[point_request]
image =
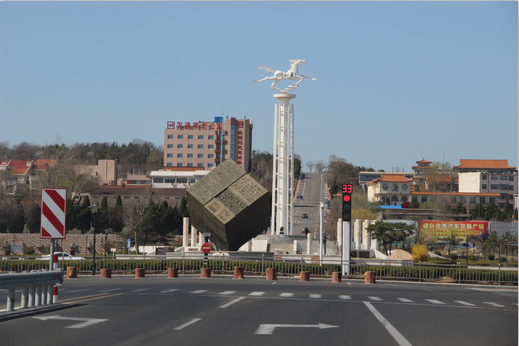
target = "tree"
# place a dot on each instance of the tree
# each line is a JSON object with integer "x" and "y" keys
{"x": 439, "y": 177}
{"x": 419, "y": 253}
{"x": 451, "y": 241}
{"x": 310, "y": 165}
{"x": 388, "y": 233}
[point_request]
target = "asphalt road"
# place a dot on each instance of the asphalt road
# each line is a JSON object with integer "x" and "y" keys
{"x": 312, "y": 190}
{"x": 222, "y": 311}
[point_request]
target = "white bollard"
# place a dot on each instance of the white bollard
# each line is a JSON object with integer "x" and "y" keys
{"x": 186, "y": 233}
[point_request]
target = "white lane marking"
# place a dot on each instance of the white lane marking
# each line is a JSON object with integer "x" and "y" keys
{"x": 227, "y": 292}
{"x": 232, "y": 302}
{"x": 315, "y": 296}
{"x": 182, "y": 326}
{"x": 464, "y": 303}
{"x": 171, "y": 290}
{"x": 495, "y": 290}
{"x": 405, "y": 300}
{"x": 268, "y": 329}
{"x": 495, "y": 304}
{"x": 85, "y": 321}
{"x": 434, "y": 301}
{"x": 256, "y": 293}
{"x": 375, "y": 298}
{"x": 112, "y": 289}
{"x": 344, "y": 297}
{"x": 140, "y": 290}
{"x": 286, "y": 294}
{"x": 199, "y": 291}
{"x": 81, "y": 290}
{"x": 399, "y": 338}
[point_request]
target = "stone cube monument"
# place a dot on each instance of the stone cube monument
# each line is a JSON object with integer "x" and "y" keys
{"x": 230, "y": 205}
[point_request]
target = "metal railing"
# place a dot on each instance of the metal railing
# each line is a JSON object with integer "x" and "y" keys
{"x": 191, "y": 263}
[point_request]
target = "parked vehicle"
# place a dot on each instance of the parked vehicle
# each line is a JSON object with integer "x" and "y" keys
{"x": 304, "y": 216}
{"x": 62, "y": 256}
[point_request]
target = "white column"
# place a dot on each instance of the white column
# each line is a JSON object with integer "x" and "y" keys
{"x": 358, "y": 234}
{"x": 339, "y": 233}
{"x": 374, "y": 242}
{"x": 308, "y": 243}
{"x": 193, "y": 236}
{"x": 185, "y": 236}
{"x": 365, "y": 235}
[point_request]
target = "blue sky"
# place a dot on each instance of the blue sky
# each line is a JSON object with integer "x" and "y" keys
{"x": 394, "y": 79}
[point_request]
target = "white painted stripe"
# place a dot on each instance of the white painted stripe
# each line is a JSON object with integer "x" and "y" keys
{"x": 182, "y": 326}
{"x": 199, "y": 291}
{"x": 171, "y": 290}
{"x": 227, "y": 292}
{"x": 399, "y": 338}
{"x": 54, "y": 233}
{"x": 375, "y": 298}
{"x": 315, "y": 296}
{"x": 495, "y": 304}
{"x": 434, "y": 301}
{"x": 232, "y": 302}
{"x": 344, "y": 297}
{"x": 256, "y": 293}
{"x": 405, "y": 300}
{"x": 84, "y": 289}
{"x": 49, "y": 202}
{"x": 286, "y": 294}
{"x": 141, "y": 290}
{"x": 464, "y": 303}
{"x": 111, "y": 289}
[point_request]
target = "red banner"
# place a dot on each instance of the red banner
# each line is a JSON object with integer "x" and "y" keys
{"x": 460, "y": 229}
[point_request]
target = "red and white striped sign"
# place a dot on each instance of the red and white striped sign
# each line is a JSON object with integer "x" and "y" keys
{"x": 53, "y": 213}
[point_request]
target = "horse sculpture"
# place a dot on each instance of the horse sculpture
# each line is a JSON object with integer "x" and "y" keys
{"x": 291, "y": 74}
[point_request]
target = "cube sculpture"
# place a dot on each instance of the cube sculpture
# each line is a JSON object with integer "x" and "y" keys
{"x": 230, "y": 205}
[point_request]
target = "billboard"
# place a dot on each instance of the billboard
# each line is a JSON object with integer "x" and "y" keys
{"x": 460, "y": 229}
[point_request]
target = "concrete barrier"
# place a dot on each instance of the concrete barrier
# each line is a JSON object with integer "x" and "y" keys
{"x": 172, "y": 272}
{"x": 139, "y": 273}
{"x": 238, "y": 273}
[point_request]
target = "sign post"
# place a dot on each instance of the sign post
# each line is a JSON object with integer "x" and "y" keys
{"x": 206, "y": 248}
{"x": 53, "y": 217}
{"x": 347, "y": 189}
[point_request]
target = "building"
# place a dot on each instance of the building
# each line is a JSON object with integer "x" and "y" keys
{"x": 366, "y": 177}
{"x": 490, "y": 177}
{"x": 205, "y": 144}
{"x": 395, "y": 187}
{"x": 105, "y": 171}
{"x": 176, "y": 177}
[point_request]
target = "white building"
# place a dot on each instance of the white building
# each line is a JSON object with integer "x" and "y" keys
{"x": 176, "y": 177}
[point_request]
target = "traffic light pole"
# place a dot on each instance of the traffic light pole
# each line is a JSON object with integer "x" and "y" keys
{"x": 346, "y": 247}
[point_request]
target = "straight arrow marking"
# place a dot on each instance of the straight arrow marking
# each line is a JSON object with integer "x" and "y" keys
{"x": 268, "y": 329}
{"x": 85, "y": 321}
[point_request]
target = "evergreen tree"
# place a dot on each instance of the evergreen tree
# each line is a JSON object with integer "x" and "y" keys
{"x": 182, "y": 210}
{"x": 506, "y": 210}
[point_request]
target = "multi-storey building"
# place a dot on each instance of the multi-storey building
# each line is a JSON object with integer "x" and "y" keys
{"x": 489, "y": 176}
{"x": 207, "y": 144}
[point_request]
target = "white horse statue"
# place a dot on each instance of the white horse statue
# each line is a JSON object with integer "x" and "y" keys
{"x": 291, "y": 74}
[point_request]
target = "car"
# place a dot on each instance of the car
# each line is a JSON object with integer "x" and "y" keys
{"x": 62, "y": 256}
{"x": 304, "y": 216}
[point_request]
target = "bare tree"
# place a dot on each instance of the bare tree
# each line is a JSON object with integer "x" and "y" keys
{"x": 320, "y": 166}
{"x": 310, "y": 165}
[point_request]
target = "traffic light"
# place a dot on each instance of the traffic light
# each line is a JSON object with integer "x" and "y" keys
{"x": 346, "y": 202}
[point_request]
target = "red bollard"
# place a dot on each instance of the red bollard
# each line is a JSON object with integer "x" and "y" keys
{"x": 55, "y": 295}
{"x": 272, "y": 274}
{"x": 205, "y": 272}
{"x": 172, "y": 272}
{"x": 336, "y": 277}
{"x": 238, "y": 273}
{"x": 106, "y": 273}
{"x": 304, "y": 276}
{"x": 139, "y": 273}
{"x": 369, "y": 278}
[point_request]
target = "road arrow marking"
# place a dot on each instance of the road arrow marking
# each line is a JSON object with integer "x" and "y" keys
{"x": 85, "y": 321}
{"x": 268, "y": 329}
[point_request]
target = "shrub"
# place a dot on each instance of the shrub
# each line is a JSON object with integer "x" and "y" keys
{"x": 437, "y": 253}
{"x": 454, "y": 256}
{"x": 502, "y": 259}
{"x": 419, "y": 253}
{"x": 491, "y": 256}
{"x": 473, "y": 258}
{"x": 7, "y": 252}
{"x": 29, "y": 250}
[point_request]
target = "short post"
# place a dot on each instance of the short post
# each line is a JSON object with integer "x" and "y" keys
{"x": 369, "y": 277}
{"x": 336, "y": 277}
{"x": 172, "y": 272}
{"x": 55, "y": 295}
{"x": 106, "y": 273}
{"x": 25, "y": 297}
{"x": 238, "y": 273}
{"x": 72, "y": 272}
{"x": 304, "y": 276}
{"x": 205, "y": 272}
{"x": 139, "y": 273}
{"x": 10, "y": 299}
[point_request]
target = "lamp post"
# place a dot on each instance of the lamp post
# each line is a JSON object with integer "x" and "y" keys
{"x": 93, "y": 208}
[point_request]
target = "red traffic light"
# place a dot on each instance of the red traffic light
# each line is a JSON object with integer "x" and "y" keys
{"x": 346, "y": 198}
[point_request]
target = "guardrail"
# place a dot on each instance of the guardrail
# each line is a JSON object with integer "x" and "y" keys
{"x": 37, "y": 287}
{"x": 191, "y": 263}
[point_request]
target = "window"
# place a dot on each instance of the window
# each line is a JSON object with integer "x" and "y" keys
{"x": 424, "y": 199}
{"x": 200, "y": 146}
{"x": 484, "y": 177}
{"x": 179, "y": 155}
{"x": 472, "y": 199}
{"x": 494, "y": 186}
{"x": 211, "y": 137}
{"x": 394, "y": 199}
{"x": 190, "y": 137}
{"x": 453, "y": 199}
{"x": 190, "y": 165}
{"x": 192, "y": 180}
{"x": 404, "y": 187}
{"x": 492, "y": 200}
{"x": 170, "y": 146}
{"x": 170, "y": 155}
{"x": 189, "y": 156}
{"x": 503, "y": 187}
{"x": 404, "y": 199}
{"x": 483, "y": 186}
{"x": 180, "y": 146}
{"x": 482, "y": 200}
{"x": 200, "y": 156}
{"x": 210, "y": 165}
{"x": 170, "y": 136}
{"x": 180, "y": 136}
{"x": 179, "y": 165}
{"x": 190, "y": 146}
{"x": 385, "y": 186}
{"x": 394, "y": 187}
{"x": 170, "y": 164}
{"x": 170, "y": 180}
{"x": 200, "y": 136}
{"x": 210, "y": 156}
{"x": 182, "y": 180}
{"x": 511, "y": 178}
{"x": 158, "y": 180}
{"x": 210, "y": 146}
{"x": 493, "y": 177}
{"x": 200, "y": 165}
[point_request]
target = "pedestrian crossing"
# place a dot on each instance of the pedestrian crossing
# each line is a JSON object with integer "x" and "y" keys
{"x": 309, "y": 296}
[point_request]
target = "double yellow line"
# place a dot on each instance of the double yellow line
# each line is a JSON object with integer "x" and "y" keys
{"x": 87, "y": 298}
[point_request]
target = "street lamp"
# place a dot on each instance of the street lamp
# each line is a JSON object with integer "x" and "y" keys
{"x": 93, "y": 208}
